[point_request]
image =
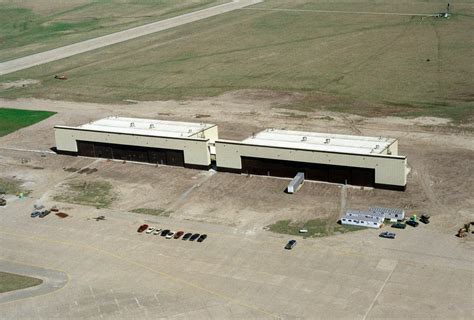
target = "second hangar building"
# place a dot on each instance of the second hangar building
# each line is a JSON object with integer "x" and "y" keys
{"x": 346, "y": 159}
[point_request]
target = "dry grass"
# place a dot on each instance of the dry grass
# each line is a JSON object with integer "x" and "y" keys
{"x": 32, "y": 26}
{"x": 370, "y": 64}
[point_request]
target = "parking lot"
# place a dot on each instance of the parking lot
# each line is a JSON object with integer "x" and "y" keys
{"x": 116, "y": 272}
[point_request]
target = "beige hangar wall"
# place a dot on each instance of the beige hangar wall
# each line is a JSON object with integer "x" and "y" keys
{"x": 195, "y": 150}
{"x": 389, "y": 169}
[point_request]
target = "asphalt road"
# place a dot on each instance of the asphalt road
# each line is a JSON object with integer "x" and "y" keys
{"x": 117, "y": 37}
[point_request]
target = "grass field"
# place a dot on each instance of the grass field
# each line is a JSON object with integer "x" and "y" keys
{"x": 371, "y": 65}
{"x": 315, "y": 227}
{"x": 10, "y": 282}
{"x": 153, "y": 212}
{"x": 91, "y": 193}
{"x": 14, "y": 119}
{"x": 12, "y": 186}
{"x": 31, "y": 26}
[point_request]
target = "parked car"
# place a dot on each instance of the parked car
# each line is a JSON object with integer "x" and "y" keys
{"x": 412, "y": 223}
{"x": 34, "y": 214}
{"x": 165, "y": 232}
{"x": 157, "y": 231}
{"x": 187, "y": 236}
{"x": 399, "y": 225}
{"x": 388, "y": 235}
{"x": 169, "y": 235}
{"x": 290, "y": 244}
{"x": 425, "y": 218}
{"x": 194, "y": 237}
{"x": 142, "y": 228}
{"x": 202, "y": 238}
{"x": 150, "y": 230}
{"x": 44, "y": 213}
{"x": 178, "y": 234}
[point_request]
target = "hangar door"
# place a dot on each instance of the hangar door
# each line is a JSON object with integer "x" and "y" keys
{"x": 312, "y": 171}
{"x": 131, "y": 153}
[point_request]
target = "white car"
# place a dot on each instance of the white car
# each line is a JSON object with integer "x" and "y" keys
{"x": 157, "y": 231}
{"x": 150, "y": 230}
{"x": 169, "y": 235}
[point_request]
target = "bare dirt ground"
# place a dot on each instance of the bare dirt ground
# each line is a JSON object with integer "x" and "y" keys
{"x": 440, "y": 183}
{"x": 241, "y": 270}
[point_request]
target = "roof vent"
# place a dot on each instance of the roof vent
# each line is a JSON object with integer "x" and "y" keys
{"x": 304, "y": 139}
{"x": 132, "y": 124}
{"x": 253, "y": 135}
{"x": 327, "y": 141}
{"x": 152, "y": 126}
{"x": 190, "y": 131}
{"x": 377, "y": 146}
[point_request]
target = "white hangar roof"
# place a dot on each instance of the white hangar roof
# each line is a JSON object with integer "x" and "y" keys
{"x": 320, "y": 141}
{"x": 148, "y": 127}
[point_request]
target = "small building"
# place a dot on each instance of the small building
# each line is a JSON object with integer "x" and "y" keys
{"x": 392, "y": 214}
{"x": 173, "y": 143}
{"x": 345, "y": 159}
{"x": 362, "y": 219}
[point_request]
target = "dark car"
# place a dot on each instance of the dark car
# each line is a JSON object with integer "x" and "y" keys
{"x": 388, "y": 235}
{"x": 178, "y": 234}
{"x": 187, "y": 236}
{"x": 35, "y": 214}
{"x": 142, "y": 228}
{"x": 425, "y": 219}
{"x": 290, "y": 244}
{"x": 194, "y": 237}
{"x": 44, "y": 213}
{"x": 202, "y": 238}
{"x": 412, "y": 223}
{"x": 399, "y": 225}
{"x": 165, "y": 232}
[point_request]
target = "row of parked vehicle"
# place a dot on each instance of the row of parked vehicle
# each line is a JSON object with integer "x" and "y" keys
{"x": 40, "y": 214}
{"x": 400, "y": 225}
{"x": 168, "y": 234}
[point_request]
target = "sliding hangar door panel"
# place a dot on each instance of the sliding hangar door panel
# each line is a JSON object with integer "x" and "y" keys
{"x": 312, "y": 171}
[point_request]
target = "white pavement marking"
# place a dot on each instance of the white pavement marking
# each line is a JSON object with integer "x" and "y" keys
{"x": 345, "y": 12}
{"x": 121, "y": 36}
{"x": 27, "y": 150}
{"x": 380, "y": 291}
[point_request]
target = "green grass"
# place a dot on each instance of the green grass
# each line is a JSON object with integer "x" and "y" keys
{"x": 364, "y": 64}
{"x": 14, "y": 119}
{"x": 315, "y": 227}
{"x": 91, "y": 193}
{"x": 12, "y": 186}
{"x": 153, "y": 212}
{"x": 25, "y": 31}
{"x": 10, "y": 282}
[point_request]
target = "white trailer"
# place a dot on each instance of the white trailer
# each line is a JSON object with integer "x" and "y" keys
{"x": 296, "y": 183}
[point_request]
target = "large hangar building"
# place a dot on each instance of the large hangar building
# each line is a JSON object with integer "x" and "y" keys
{"x": 184, "y": 144}
{"x": 346, "y": 159}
